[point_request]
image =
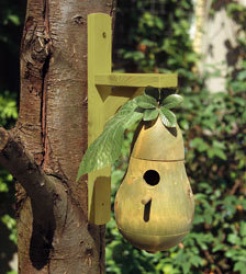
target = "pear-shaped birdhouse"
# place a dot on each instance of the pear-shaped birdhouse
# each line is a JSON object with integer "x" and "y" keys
{"x": 154, "y": 205}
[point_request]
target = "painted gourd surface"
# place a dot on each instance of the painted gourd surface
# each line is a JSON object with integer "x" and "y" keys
{"x": 154, "y": 205}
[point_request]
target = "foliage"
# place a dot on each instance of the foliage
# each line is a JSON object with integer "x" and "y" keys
{"x": 106, "y": 149}
{"x": 154, "y": 35}
{"x": 8, "y": 114}
{"x": 11, "y": 18}
{"x": 216, "y": 144}
{"x": 8, "y": 109}
{"x": 215, "y": 140}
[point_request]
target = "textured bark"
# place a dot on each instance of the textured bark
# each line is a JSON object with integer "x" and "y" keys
{"x": 49, "y": 140}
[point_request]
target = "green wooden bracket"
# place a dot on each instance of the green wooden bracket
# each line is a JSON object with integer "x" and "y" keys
{"x": 107, "y": 91}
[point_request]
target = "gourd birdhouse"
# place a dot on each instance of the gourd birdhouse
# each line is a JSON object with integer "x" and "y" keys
{"x": 154, "y": 205}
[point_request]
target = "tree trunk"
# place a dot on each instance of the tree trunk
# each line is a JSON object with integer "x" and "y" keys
{"x": 45, "y": 148}
{"x": 217, "y": 42}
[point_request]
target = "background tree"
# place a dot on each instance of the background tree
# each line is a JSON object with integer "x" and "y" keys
{"x": 45, "y": 147}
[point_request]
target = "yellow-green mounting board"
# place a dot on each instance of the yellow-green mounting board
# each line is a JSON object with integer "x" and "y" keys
{"x": 107, "y": 91}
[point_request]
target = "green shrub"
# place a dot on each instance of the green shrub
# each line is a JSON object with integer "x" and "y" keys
{"x": 11, "y": 17}
{"x": 215, "y": 143}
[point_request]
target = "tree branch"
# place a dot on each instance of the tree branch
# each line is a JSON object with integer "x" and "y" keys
{"x": 22, "y": 166}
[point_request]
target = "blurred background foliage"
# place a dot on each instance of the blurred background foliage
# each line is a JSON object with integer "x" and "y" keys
{"x": 153, "y": 36}
{"x": 11, "y": 20}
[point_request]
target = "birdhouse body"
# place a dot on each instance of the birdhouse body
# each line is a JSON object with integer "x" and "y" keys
{"x": 154, "y": 205}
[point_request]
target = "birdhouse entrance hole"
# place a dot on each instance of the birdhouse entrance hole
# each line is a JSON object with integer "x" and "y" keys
{"x": 151, "y": 177}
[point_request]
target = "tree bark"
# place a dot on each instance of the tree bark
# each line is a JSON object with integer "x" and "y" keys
{"x": 45, "y": 148}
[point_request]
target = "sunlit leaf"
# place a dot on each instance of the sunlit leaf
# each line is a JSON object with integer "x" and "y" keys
{"x": 172, "y": 101}
{"x": 243, "y": 229}
{"x": 168, "y": 118}
{"x": 14, "y": 19}
{"x": 106, "y": 149}
{"x": 146, "y": 102}
{"x": 240, "y": 267}
{"x": 219, "y": 153}
{"x": 150, "y": 114}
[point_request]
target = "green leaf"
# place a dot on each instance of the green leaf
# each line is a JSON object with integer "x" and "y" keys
{"x": 14, "y": 19}
{"x": 150, "y": 114}
{"x": 218, "y": 247}
{"x": 219, "y": 153}
{"x": 217, "y": 144}
{"x": 3, "y": 187}
{"x": 240, "y": 267}
{"x": 241, "y": 75}
{"x": 106, "y": 149}
{"x": 135, "y": 55}
{"x": 132, "y": 116}
{"x": 199, "y": 144}
{"x": 233, "y": 239}
{"x": 168, "y": 118}
{"x": 103, "y": 151}
{"x": 146, "y": 102}
{"x": 243, "y": 229}
{"x": 172, "y": 101}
